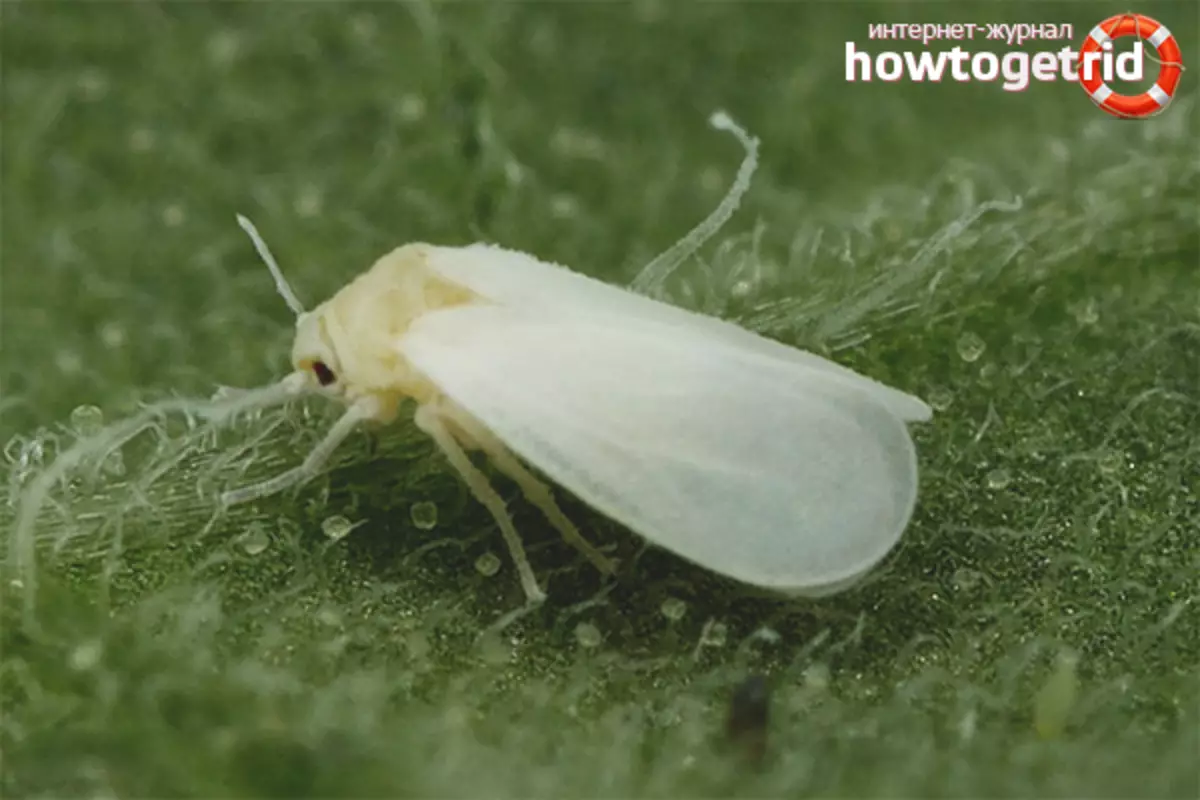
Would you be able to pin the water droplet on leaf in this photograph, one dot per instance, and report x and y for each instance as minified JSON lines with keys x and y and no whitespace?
{"x":494,"y":650}
{"x":112,"y":334}
{"x":487,"y":564}
{"x":1054,"y":701}
{"x":173,"y":215}
{"x":940,"y":398}
{"x":970,"y":347}
{"x":1111,"y":461}
{"x":255,"y":540}
{"x":714,"y":635}
{"x":816,"y":677}
{"x":998,"y":479}
{"x":1086,"y":313}
{"x":424,"y":515}
{"x":673,"y":609}
{"x":588,"y":635}
{"x":87,"y":420}
{"x":418,"y":644}
{"x":309,"y":201}
{"x":966,"y":579}
{"x":338,"y":527}
{"x":86,"y":656}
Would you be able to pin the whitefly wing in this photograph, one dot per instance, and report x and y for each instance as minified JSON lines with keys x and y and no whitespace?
{"x":769,"y":471}
{"x":518,"y":280}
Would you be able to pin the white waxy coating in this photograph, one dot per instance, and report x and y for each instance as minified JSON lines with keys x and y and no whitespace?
{"x":762,"y":462}
{"x":775,"y":473}
{"x":514,"y":279}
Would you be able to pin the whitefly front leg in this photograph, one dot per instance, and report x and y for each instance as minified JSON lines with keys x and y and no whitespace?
{"x":346,"y":347}
{"x":429,"y":418}
{"x":360,"y":411}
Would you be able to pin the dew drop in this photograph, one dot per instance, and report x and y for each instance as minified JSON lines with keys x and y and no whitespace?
{"x":114,"y":464}
{"x":649,"y":11}
{"x":1110,"y":461}
{"x":588,"y":635}
{"x":487,"y":564}
{"x":514,"y":174}
{"x":1055,"y":700}
{"x":173,"y":215}
{"x":92,"y":83}
{"x":418,"y":644}
{"x":338,"y":527}
{"x":767,"y":635}
{"x":494,"y":650}
{"x":411,"y":108}
{"x":998,"y":479}
{"x":68,"y":362}
{"x":673,"y":609}
{"x":741,"y":289}
{"x":255,"y":540}
{"x":940,"y":398}
{"x":142,"y":140}
{"x":711,"y":180}
{"x":87,"y":420}
{"x":424,"y":515}
{"x":224,"y":47}
{"x":714,"y":634}
{"x":970,"y":347}
{"x":86,"y":656}
{"x":966,"y":579}
{"x":112,"y":334}
{"x":309,"y":201}
{"x":364,"y":26}
{"x":564,"y":206}
{"x":576,"y":143}
{"x":966,"y":726}
{"x":1086,"y":313}
{"x":816,"y":677}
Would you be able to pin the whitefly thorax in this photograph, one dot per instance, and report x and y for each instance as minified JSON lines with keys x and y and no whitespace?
{"x":356,"y":331}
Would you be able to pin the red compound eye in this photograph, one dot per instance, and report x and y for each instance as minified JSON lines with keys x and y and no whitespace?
{"x":324,"y":374}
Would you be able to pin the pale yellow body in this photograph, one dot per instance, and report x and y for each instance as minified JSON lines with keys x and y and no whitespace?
{"x":583,"y":379}
{"x":355,"y":331}
{"x":347,"y":348}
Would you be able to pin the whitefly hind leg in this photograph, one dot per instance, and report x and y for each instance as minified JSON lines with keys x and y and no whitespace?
{"x":429,"y":420}
{"x":311,"y":467}
{"x":535,"y":491}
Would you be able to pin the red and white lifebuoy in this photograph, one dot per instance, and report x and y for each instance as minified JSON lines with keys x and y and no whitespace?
{"x":1156,"y":98}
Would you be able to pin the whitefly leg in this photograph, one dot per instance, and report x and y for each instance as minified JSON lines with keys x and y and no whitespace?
{"x":429,"y":420}
{"x":311,"y":467}
{"x":535,"y":491}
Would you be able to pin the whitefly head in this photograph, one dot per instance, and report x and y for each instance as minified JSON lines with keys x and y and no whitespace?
{"x":346,"y":347}
{"x":313,"y":354}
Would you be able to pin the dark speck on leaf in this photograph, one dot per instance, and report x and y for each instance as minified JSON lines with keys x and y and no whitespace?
{"x":749,"y":712}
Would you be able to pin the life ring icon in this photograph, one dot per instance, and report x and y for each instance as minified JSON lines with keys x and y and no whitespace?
{"x":1170,"y":66}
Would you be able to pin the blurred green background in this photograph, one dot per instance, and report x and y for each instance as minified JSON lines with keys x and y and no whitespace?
{"x":1034,"y":635}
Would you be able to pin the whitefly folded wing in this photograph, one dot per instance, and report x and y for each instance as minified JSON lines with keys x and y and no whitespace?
{"x":769,"y":471}
{"x":518,"y":280}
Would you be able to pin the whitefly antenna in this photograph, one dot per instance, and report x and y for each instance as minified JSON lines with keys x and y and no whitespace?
{"x":651,"y":278}
{"x":281,"y":284}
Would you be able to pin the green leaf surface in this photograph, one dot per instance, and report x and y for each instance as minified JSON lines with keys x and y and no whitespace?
{"x":1024,"y":262}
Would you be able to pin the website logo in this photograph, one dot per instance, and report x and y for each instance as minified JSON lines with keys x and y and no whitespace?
{"x":1094,"y":65}
{"x":1098,"y":44}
